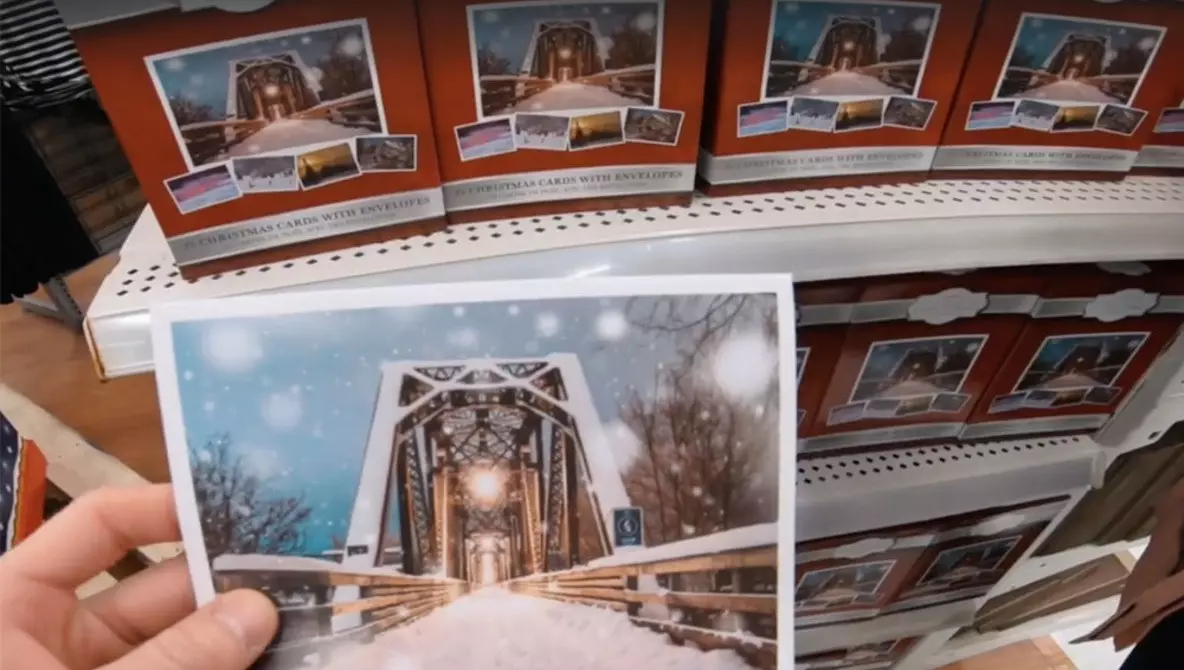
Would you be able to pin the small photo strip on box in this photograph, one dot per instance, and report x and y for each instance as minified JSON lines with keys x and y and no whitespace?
{"x":328,"y":165}
{"x":265,"y":174}
{"x":949,"y":402}
{"x":543,"y":132}
{"x":1170,"y":121}
{"x":593,"y":131}
{"x":203,"y":188}
{"x":1052,"y":398}
{"x":1102,"y":395}
{"x":908,"y":113}
{"x":845,"y":413}
{"x":914,"y":405}
{"x":762,"y":118}
{"x":867,"y":114}
{"x":990,"y":114}
{"x":1120,"y":120}
{"x":647,"y":125}
{"x":815,"y":114}
{"x":387,"y":153}
{"x":1035,"y":115}
{"x":491,"y":137}
{"x":1076,"y":118}
{"x":881,"y":408}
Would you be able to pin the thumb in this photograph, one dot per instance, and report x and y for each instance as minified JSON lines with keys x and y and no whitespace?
{"x":228,"y":634}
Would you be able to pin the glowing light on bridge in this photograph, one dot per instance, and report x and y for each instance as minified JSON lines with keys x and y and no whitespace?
{"x":486,"y":485}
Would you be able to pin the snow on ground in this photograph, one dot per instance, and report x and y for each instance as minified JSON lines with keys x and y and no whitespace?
{"x":494,"y":629}
{"x":262,"y":562}
{"x":571,"y":95}
{"x":760,"y":535}
{"x":843,"y":83}
{"x":1068,"y":90}
{"x":287,"y":133}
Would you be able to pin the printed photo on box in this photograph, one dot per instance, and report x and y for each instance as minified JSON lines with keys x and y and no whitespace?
{"x":270,"y":93}
{"x":1170,"y":121}
{"x":1120,"y":120}
{"x":963,"y":566}
{"x":327,"y":166}
{"x":1075,"y":118}
{"x":387,"y":153}
{"x":1067,"y":59}
{"x":1072,"y":370}
{"x":595,"y":130}
{"x":266,"y":173}
{"x":990,"y":115}
{"x":541,"y":131}
{"x":829,"y":48}
{"x":565,"y":55}
{"x":911,"y":113}
{"x":873,"y":656}
{"x":844,"y":586}
{"x":860,"y":115}
{"x":763,"y":118}
{"x":900,"y":376}
{"x":812,"y":114}
{"x":653,"y":126}
{"x":405,"y":474}
{"x":485,"y":138}
{"x":204,"y":188}
{"x":1035,"y":115}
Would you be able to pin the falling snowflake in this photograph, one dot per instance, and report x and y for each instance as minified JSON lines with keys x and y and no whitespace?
{"x":547,"y":325}
{"x":463,"y":338}
{"x":283,"y":410}
{"x":744,"y":365}
{"x":697,"y":491}
{"x":458,"y":311}
{"x":187,"y":375}
{"x":704,"y":415}
{"x":208,"y":405}
{"x":513,"y":310}
{"x":611,"y":325}
{"x":231,"y":348}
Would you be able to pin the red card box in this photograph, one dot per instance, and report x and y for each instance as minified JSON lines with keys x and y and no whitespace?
{"x":1059,"y":88}
{"x":822,"y":93}
{"x":824,"y":311}
{"x":546,"y":107}
{"x":1163,"y":155}
{"x":1093,"y":335}
{"x":299,"y":127}
{"x":918,"y":354}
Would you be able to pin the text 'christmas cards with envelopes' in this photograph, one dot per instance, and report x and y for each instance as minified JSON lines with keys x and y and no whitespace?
{"x":267,"y":129}
{"x":544,"y":470}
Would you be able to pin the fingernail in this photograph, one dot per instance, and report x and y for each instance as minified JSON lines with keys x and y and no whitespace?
{"x":249,"y":615}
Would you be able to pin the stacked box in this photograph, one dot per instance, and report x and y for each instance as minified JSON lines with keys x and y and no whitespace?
{"x":920,"y":351}
{"x":545,"y":106}
{"x":815,"y":93}
{"x":1163,"y":155}
{"x":1095,"y":331}
{"x":823,"y":312}
{"x":286,"y":128}
{"x":1059,"y":88}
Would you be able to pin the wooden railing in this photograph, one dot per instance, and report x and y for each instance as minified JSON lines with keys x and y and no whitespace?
{"x":715,"y":601}
{"x":325,"y":607}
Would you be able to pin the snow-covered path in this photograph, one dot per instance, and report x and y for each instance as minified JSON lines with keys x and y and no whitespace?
{"x":286,"y":133}
{"x":494,"y":629}
{"x":845,"y":83}
{"x":571,"y":95}
{"x":1068,"y":90}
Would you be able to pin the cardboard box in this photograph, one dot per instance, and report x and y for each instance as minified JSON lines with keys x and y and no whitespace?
{"x":972,"y":553}
{"x":856,"y":576}
{"x":823,"y":313}
{"x":299,"y":127}
{"x":1094,"y":333}
{"x":919,"y":352}
{"x":1058,"y":88}
{"x":546,"y":106}
{"x":1163,"y":155}
{"x":873,"y":656}
{"x":815,"y":93}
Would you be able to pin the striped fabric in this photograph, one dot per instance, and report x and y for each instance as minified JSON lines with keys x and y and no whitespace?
{"x":40,"y":65}
{"x":22,"y":486}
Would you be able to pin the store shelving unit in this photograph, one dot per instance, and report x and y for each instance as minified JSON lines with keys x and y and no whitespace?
{"x":820,"y":234}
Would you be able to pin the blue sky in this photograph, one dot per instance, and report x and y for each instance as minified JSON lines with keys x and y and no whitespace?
{"x":507,"y":30}
{"x":1040,"y":35}
{"x":801,"y":23}
{"x":204,"y":76}
{"x":296,"y":392}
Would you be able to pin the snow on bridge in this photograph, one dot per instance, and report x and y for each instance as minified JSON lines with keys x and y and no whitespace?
{"x":493,"y":629}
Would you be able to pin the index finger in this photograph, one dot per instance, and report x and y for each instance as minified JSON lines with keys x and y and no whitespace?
{"x":92,"y":533}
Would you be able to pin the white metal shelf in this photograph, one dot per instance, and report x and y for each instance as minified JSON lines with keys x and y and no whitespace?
{"x":884,"y":628}
{"x":819,"y":234}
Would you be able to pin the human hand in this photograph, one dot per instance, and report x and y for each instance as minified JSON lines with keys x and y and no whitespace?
{"x":146,"y":622}
{"x":1170,"y":506}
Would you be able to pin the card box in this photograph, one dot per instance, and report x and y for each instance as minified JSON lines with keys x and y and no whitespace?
{"x":973,"y":552}
{"x":803,"y":97}
{"x":823,"y":313}
{"x":1058,"y":88}
{"x":919,"y":351}
{"x":322,"y":140}
{"x":1163,"y":155}
{"x":543,"y":107}
{"x":1094,"y":332}
{"x":872,"y":656}
{"x":22,"y":486}
{"x":856,"y":576}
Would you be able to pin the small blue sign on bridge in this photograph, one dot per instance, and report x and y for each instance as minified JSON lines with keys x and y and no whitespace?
{"x":627,"y":527}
